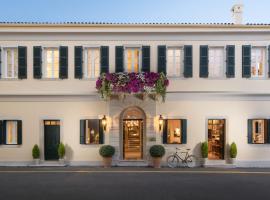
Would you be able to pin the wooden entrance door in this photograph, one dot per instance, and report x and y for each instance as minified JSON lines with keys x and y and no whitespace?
{"x":51,"y":139}
{"x":133,"y":139}
{"x":216,"y":139}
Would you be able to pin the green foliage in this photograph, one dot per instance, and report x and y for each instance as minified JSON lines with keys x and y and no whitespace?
{"x":157,"y":151}
{"x":35,"y":152}
{"x":106,"y":151}
{"x":61,"y":150}
{"x":233,"y":150}
{"x":204,"y":149}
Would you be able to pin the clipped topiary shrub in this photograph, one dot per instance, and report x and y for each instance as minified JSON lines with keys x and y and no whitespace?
{"x":61,"y":150}
{"x":106,"y":151}
{"x":233,"y":150}
{"x":204,"y":149}
{"x":157,"y":151}
{"x":35,"y":152}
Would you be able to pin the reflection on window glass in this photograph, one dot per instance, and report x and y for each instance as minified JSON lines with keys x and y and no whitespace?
{"x":11,"y":132}
{"x":174,"y":66}
{"x":132,"y":59}
{"x":10,"y":70}
{"x":174,"y":131}
{"x":259,"y":129}
{"x":92,"y":68}
{"x":52,"y":63}
{"x":216,"y":62}
{"x":92,"y":131}
{"x":258,"y":61}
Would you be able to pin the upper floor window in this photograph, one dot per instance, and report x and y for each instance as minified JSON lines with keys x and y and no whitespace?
{"x":91,"y":63}
{"x":258,"y":62}
{"x":51,"y":67}
{"x":132,"y":57}
{"x":174,"y":61}
{"x":216,"y":62}
{"x":10,"y":67}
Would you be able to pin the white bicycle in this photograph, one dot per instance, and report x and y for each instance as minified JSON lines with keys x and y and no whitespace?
{"x":183,"y":156}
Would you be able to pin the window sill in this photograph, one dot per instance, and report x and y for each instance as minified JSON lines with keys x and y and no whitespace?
{"x":10,"y":79}
{"x":10,"y":145}
{"x":50,"y":79}
{"x":88,"y":79}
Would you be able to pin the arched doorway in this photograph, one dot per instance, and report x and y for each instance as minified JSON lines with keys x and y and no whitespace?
{"x":133,"y":133}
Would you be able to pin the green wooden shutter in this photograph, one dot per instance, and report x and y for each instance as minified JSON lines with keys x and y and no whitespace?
{"x":184,"y":131}
{"x":146,"y":58}
{"x":22,"y":62}
{"x":4,"y":138}
{"x":249,"y":128}
{"x":268,"y":131}
{"x":165,"y":131}
{"x":63,"y":62}
{"x":19,"y":132}
{"x":230,"y":61}
{"x":104,"y":59}
{"x":37,"y":62}
{"x":101,"y":132}
{"x":119,"y":59}
{"x":246,"y":61}
{"x":162,"y":62}
{"x":82,"y":131}
{"x":78,"y":62}
{"x":204,"y":61}
{"x":188,"y":64}
{"x":1,"y":132}
{"x":268,"y":61}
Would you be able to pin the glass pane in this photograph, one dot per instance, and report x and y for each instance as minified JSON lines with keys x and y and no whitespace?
{"x":174,"y":131}
{"x":174,"y":62}
{"x":92,"y":131}
{"x":136,"y":60}
{"x":129,"y":60}
{"x":52,"y":63}
{"x":216,"y":62}
{"x":11,"y":132}
{"x":258,"y":131}
{"x":89,"y":63}
{"x":97,"y":62}
{"x":132,"y":60}
{"x":257,"y":61}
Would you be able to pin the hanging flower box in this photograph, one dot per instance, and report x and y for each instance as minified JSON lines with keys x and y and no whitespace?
{"x":140,"y":84}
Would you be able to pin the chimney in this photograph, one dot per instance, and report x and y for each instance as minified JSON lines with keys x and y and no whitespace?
{"x":237,"y":13}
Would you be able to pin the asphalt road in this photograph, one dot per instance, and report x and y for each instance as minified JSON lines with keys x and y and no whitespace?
{"x":133,"y":184}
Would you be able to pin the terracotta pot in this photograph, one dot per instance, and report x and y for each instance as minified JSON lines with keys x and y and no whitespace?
{"x":157,"y":162}
{"x":107,"y":162}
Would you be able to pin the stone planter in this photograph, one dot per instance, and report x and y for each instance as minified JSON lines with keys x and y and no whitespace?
{"x":61,"y":161}
{"x":233,"y":161}
{"x":107,"y":162}
{"x":204,"y":161}
{"x":36,"y":161}
{"x":156,"y":162}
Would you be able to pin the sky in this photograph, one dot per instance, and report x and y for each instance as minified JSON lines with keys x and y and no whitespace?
{"x":204,"y":11}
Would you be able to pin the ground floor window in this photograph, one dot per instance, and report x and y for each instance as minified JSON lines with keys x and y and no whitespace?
{"x":258,"y":131}
{"x":216,"y":138}
{"x":175,"y":131}
{"x":12,"y":132}
{"x":91,"y":131}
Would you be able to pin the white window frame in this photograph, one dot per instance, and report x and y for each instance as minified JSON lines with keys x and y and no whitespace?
{"x":44,"y":62}
{"x":85,"y":62}
{"x":140,"y":56}
{"x":4,"y":60}
{"x":265,"y":68}
{"x":223,"y":76}
{"x":181,"y":47}
{"x":16,"y":132}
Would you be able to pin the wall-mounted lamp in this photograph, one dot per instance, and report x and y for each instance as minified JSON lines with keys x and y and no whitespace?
{"x":160,"y":122}
{"x":104,"y":122}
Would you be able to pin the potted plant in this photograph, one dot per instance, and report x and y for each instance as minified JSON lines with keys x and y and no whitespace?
{"x":233,"y":152}
{"x":36,"y":154}
{"x":61,"y":153}
{"x":157,"y":152}
{"x":204,"y":152}
{"x":107,"y":152}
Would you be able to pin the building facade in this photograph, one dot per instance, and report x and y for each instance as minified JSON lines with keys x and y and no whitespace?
{"x":219,"y":91}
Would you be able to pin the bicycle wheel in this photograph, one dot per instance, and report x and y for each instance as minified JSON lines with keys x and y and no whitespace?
{"x":172,"y":161}
{"x":190,"y":161}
